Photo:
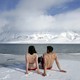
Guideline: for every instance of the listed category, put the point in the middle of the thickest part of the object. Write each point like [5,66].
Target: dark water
[41,48]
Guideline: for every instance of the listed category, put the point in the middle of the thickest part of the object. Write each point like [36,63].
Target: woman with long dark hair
[31,59]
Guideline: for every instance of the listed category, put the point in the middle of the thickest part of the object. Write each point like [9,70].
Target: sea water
[40,48]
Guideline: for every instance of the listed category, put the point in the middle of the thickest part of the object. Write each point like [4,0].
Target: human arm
[26,59]
[44,66]
[44,74]
[37,65]
[58,65]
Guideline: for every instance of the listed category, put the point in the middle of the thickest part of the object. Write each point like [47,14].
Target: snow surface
[15,70]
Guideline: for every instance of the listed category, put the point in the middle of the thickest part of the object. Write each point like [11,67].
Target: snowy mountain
[65,37]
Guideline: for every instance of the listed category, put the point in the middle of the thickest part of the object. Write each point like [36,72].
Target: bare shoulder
[45,55]
[54,54]
[35,54]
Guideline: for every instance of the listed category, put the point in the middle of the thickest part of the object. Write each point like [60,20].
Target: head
[31,50]
[49,49]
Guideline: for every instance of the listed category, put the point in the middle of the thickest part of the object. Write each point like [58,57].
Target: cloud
[30,16]
[68,21]
[40,4]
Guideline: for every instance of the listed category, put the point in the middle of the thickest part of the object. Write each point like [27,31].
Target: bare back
[31,59]
[49,59]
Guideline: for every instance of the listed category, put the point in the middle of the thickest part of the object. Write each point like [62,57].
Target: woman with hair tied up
[31,60]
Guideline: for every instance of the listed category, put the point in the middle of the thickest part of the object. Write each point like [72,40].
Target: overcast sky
[39,16]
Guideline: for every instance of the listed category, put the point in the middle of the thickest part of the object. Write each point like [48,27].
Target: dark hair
[31,50]
[49,49]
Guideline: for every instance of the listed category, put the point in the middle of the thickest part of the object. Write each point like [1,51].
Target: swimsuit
[32,69]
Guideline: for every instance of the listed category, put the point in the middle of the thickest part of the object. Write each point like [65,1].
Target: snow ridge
[65,37]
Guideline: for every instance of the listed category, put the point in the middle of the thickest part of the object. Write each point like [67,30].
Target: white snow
[15,69]
[65,37]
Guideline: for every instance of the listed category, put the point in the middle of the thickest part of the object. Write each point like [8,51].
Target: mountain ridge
[64,37]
